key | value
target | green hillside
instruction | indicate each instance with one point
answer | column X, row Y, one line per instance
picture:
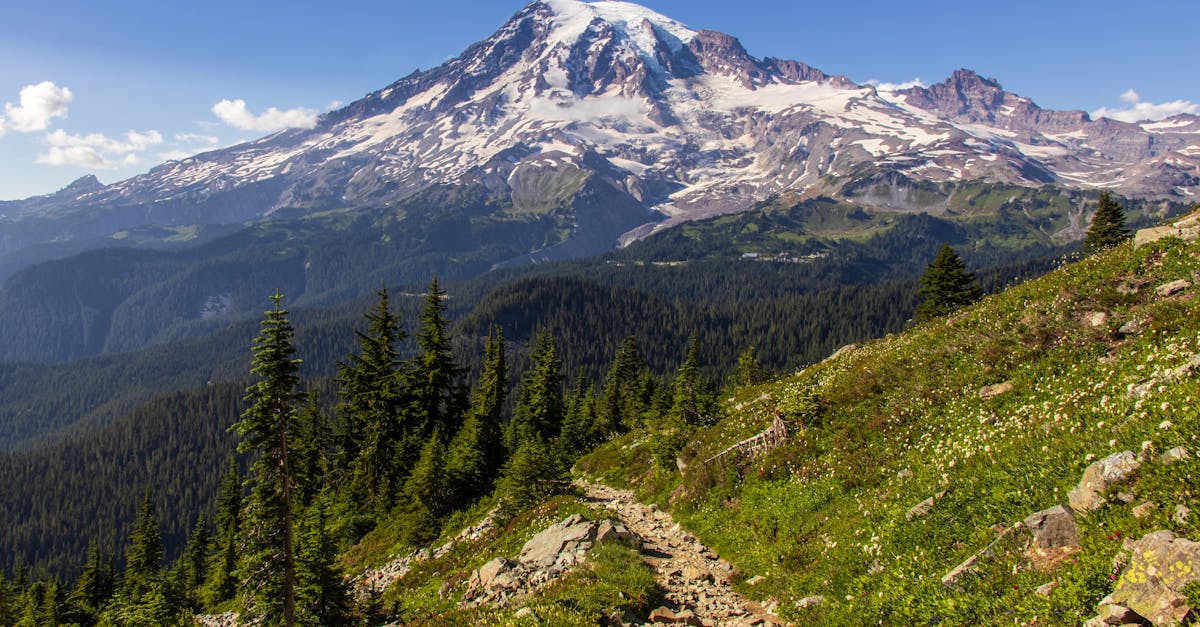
column 992, row 414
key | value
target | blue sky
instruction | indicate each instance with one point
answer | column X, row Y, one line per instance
column 113, row 88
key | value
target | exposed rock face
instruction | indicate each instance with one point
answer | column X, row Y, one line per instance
column 1098, row 478
column 1053, row 528
column 544, row 557
column 1172, row 288
column 1186, row 229
column 1161, row 566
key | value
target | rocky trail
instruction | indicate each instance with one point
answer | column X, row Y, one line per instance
column 695, row 579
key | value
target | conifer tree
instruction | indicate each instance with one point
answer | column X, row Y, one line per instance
column 691, row 399
column 373, row 397
column 477, row 451
column 946, row 286
column 94, row 588
column 532, row 474
column 580, row 429
column 428, row 491
column 620, row 409
column 1108, row 226
column 221, row 581
column 268, row 428
column 143, row 561
column 312, row 444
column 322, row 597
column 539, row 410
column 749, row 372
column 438, row 398
column 192, row 566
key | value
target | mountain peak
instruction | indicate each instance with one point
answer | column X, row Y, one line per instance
column 574, row 17
column 80, row 186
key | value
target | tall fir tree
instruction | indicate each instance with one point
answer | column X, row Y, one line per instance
column 539, row 410
column 94, row 588
column 477, row 451
column 438, row 399
column 371, row 414
column 428, row 492
column 268, row 429
column 143, row 561
column 946, row 286
column 620, row 408
column 322, row 597
column 580, row 428
column 191, row 569
column 1108, row 226
column 221, row 582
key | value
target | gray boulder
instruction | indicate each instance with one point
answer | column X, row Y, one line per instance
column 1098, row 478
column 571, row 534
column 1053, row 528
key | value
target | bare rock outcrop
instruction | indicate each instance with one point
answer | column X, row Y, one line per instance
column 544, row 557
column 1149, row 589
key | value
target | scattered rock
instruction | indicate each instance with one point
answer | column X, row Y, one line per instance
column 1161, row 566
column 907, row 473
column 1095, row 319
column 923, row 508
column 1098, row 478
column 992, row 391
column 810, row 601
column 1126, row 497
column 485, row 577
column 1176, row 454
column 841, row 351
column 1046, row 589
column 1181, row 514
column 755, row 580
column 228, row 619
column 1133, row 327
column 1170, row 289
column 1144, row 510
column 1053, row 528
column 683, row 617
column 614, row 530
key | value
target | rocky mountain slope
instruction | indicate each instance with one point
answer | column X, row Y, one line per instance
column 616, row 117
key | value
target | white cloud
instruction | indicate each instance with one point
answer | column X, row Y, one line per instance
column 881, row 86
column 196, row 138
column 97, row 151
column 235, row 114
column 1139, row 111
column 40, row 104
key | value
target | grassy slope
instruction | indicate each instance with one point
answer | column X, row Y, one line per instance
column 825, row 514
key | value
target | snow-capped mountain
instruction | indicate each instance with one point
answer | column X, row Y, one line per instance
column 612, row 102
